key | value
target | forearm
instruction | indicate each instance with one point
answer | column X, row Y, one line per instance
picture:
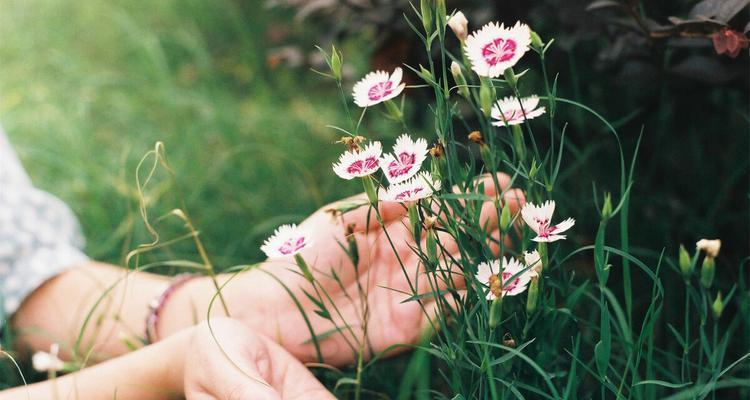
column 108, row 300
column 153, row 372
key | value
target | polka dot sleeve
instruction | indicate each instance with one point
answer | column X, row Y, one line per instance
column 39, row 235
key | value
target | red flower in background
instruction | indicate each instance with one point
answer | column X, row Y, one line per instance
column 729, row 42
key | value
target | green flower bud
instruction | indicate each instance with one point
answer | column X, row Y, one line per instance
column 686, row 265
column 518, row 143
column 718, row 306
column 426, row 9
column 335, row 63
column 303, row 267
column 536, row 41
column 708, row 271
column 393, row 110
column 426, row 75
column 431, row 244
column 352, row 241
column 532, row 300
column 441, row 15
column 458, row 77
column 496, row 312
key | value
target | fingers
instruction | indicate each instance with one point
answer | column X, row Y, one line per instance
column 488, row 218
column 364, row 217
column 230, row 361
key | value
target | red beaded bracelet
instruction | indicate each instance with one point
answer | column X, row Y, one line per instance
column 157, row 305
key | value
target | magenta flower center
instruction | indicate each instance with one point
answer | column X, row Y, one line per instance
column 407, row 194
column 499, row 50
column 380, row 90
column 511, row 115
column 509, row 286
column 544, row 229
column 402, row 166
column 292, row 246
column 362, row 166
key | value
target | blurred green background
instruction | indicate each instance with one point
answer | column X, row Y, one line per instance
column 86, row 88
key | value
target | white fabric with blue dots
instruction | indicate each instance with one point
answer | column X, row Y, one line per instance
column 39, row 235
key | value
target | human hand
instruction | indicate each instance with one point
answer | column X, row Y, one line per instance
column 377, row 284
column 227, row 361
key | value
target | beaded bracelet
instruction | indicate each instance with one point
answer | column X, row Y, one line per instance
column 156, row 306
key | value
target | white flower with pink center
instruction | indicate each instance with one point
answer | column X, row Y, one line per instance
column 538, row 219
column 494, row 48
column 514, row 111
column 288, row 240
column 408, row 156
column 514, row 279
column 377, row 87
column 359, row 163
column 419, row 187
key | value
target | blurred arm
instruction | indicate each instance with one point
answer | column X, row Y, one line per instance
column 153, row 372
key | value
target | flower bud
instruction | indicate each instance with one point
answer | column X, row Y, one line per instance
column 711, row 247
column 536, row 41
column 440, row 14
column 486, row 96
column 335, row 63
column 532, row 299
column 718, row 306
column 303, row 267
column 518, row 143
column 496, row 312
column 459, row 25
column 426, row 9
column 686, row 265
column 352, row 241
column 458, row 77
column 708, row 271
column 426, row 75
column 393, row 110
column 431, row 244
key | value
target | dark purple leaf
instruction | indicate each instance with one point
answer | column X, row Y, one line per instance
column 599, row 4
column 720, row 10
